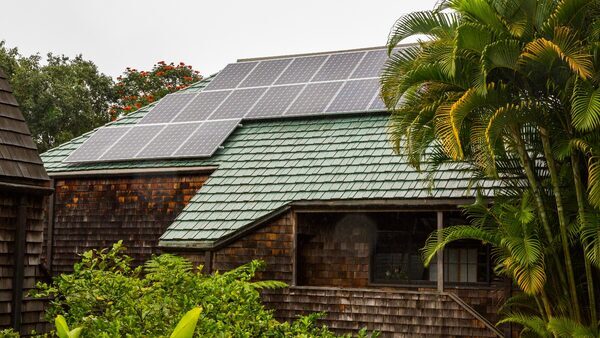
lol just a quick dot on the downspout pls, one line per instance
(19, 260)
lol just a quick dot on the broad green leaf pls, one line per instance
(186, 326)
(62, 329)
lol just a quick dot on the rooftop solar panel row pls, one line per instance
(196, 139)
(195, 124)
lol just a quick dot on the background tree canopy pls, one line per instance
(64, 97)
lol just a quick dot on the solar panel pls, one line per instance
(167, 108)
(168, 140)
(371, 65)
(301, 70)
(378, 104)
(265, 73)
(130, 144)
(206, 139)
(202, 106)
(275, 101)
(338, 67)
(97, 144)
(354, 96)
(231, 76)
(195, 124)
(238, 103)
(314, 99)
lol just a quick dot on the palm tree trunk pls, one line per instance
(537, 193)
(562, 219)
(581, 203)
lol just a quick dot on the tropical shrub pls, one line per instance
(512, 87)
(106, 297)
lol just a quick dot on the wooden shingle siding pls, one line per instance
(32, 316)
(19, 159)
(91, 213)
(23, 187)
(395, 311)
(272, 244)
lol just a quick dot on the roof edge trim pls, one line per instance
(134, 171)
(274, 57)
(374, 204)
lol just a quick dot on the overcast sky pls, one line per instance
(116, 34)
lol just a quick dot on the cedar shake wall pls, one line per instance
(272, 244)
(333, 255)
(32, 315)
(91, 213)
(408, 312)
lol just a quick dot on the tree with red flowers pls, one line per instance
(139, 88)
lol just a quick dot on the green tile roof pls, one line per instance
(265, 165)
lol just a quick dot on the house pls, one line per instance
(24, 187)
(284, 159)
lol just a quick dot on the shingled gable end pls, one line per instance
(314, 189)
(24, 186)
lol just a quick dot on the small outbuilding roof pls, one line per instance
(19, 159)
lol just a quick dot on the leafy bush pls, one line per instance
(107, 298)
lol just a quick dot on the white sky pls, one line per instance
(116, 34)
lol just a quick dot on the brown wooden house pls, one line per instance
(284, 159)
(24, 186)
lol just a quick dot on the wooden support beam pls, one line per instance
(50, 231)
(208, 262)
(294, 248)
(440, 255)
(19, 263)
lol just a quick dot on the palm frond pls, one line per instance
(585, 106)
(530, 323)
(429, 23)
(438, 240)
(563, 46)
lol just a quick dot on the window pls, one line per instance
(466, 263)
(355, 249)
(396, 253)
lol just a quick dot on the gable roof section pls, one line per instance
(266, 165)
(19, 159)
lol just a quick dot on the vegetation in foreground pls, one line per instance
(512, 87)
(106, 297)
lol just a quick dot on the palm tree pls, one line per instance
(511, 87)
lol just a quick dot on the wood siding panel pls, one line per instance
(33, 310)
(397, 312)
(91, 213)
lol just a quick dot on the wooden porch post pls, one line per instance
(294, 248)
(440, 255)
(19, 262)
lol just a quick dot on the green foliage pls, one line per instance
(105, 297)
(62, 329)
(136, 89)
(512, 88)
(187, 325)
(9, 333)
(60, 97)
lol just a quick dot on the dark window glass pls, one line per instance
(396, 255)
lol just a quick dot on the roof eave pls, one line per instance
(204, 245)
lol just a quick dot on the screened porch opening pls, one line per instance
(361, 249)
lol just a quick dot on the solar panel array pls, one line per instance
(196, 124)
